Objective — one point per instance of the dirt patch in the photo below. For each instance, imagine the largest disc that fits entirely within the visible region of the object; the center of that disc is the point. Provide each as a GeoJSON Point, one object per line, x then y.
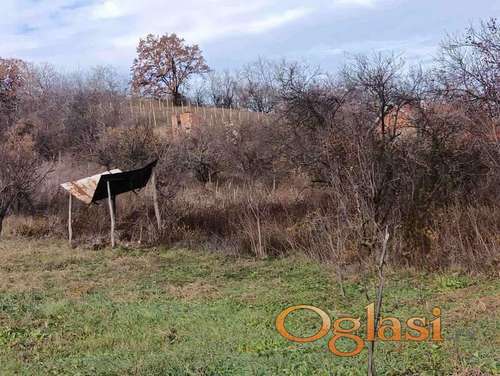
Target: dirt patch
{"type": "Point", "coordinates": [195, 290]}
{"type": "Point", "coordinates": [488, 305]}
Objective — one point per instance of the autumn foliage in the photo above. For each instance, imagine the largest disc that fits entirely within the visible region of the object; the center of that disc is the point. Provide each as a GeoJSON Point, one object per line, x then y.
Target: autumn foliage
{"type": "Point", "coordinates": [12, 79]}
{"type": "Point", "coordinates": [20, 171]}
{"type": "Point", "coordinates": [164, 64]}
{"type": "Point", "coordinates": [300, 160]}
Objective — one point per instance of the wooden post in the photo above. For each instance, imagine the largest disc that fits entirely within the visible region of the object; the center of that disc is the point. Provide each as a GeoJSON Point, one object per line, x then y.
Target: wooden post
{"type": "Point", "coordinates": [70, 226]}
{"type": "Point", "coordinates": [112, 215]}
{"type": "Point", "coordinates": [155, 200]}
{"type": "Point", "coordinates": [149, 114]}
{"type": "Point", "coordinates": [154, 118]}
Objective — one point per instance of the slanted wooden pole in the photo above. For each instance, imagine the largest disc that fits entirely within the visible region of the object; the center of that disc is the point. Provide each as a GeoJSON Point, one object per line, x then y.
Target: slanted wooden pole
{"type": "Point", "coordinates": [113, 201]}
{"type": "Point", "coordinates": [70, 227]}
{"type": "Point", "coordinates": [112, 214]}
{"type": "Point", "coordinates": [155, 200]}
{"type": "Point", "coordinates": [154, 117]}
{"type": "Point", "coordinates": [380, 294]}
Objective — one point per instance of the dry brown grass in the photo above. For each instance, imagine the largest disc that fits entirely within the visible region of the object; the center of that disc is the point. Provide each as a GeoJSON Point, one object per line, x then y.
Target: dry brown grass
{"type": "Point", "coordinates": [158, 114]}
{"type": "Point", "coordinates": [35, 265]}
{"type": "Point", "coordinates": [194, 290]}
{"type": "Point", "coordinates": [38, 265]}
{"type": "Point", "coordinates": [257, 220]}
{"type": "Point", "coordinates": [470, 304]}
{"type": "Point", "coordinates": [263, 220]}
{"type": "Point", "coordinates": [471, 372]}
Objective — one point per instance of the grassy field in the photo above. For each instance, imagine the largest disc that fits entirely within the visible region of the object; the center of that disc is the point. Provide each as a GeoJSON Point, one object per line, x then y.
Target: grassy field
{"type": "Point", "coordinates": [180, 312]}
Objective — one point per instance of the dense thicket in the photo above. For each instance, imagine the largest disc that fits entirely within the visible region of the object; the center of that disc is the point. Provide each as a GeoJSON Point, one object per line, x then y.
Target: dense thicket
{"type": "Point", "coordinates": [331, 162]}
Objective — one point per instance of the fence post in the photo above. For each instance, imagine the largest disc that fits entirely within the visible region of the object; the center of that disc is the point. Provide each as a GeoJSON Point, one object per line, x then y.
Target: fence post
{"type": "Point", "coordinates": [112, 215]}
{"type": "Point", "coordinates": [155, 200]}
{"type": "Point", "coordinates": [70, 220]}
{"type": "Point", "coordinates": [154, 117]}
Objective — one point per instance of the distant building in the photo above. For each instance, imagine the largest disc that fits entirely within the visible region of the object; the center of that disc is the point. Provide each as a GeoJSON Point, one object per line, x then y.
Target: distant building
{"type": "Point", "coordinates": [404, 122]}
{"type": "Point", "coordinates": [184, 123]}
{"type": "Point", "coordinates": [400, 122]}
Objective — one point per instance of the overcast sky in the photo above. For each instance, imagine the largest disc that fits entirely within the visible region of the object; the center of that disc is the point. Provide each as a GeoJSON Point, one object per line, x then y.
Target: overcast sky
{"type": "Point", "coordinates": [82, 33]}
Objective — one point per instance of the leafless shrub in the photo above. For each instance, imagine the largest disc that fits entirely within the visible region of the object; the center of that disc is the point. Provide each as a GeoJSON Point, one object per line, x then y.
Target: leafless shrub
{"type": "Point", "coordinates": [13, 76]}
{"type": "Point", "coordinates": [258, 87]}
{"type": "Point", "coordinates": [222, 89]}
{"type": "Point", "coordinates": [124, 148]}
{"type": "Point", "coordinates": [469, 67]}
{"type": "Point", "coordinates": [202, 153]}
{"type": "Point", "coordinates": [464, 235]}
{"type": "Point", "coordinates": [20, 171]}
{"type": "Point", "coordinates": [39, 227]}
{"type": "Point", "coordinates": [335, 160]}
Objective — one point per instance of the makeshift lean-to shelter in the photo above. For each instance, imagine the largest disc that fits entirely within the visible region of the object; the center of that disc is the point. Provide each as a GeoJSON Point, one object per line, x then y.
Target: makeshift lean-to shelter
{"type": "Point", "coordinates": [108, 185]}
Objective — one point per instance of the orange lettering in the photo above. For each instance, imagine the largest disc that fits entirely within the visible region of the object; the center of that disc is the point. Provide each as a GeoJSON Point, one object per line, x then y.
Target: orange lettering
{"type": "Point", "coordinates": [338, 333]}
{"type": "Point", "coordinates": [436, 325]}
{"type": "Point", "coordinates": [370, 325]}
{"type": "Point", "coordinates": [420, 329]}
{"type": "Point", "coordinates": [325, 326]}
{"type": "Point", "coordinates": [394, 327]}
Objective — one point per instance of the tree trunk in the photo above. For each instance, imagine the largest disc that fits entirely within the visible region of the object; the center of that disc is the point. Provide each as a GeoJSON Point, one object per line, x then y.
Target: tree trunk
{"type": "Point", "coordinates": [177, 98]}
{"type": "Point", "coordinates": [3, 212]}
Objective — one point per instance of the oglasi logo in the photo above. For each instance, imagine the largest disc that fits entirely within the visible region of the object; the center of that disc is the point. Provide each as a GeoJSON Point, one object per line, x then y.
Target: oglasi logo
{"type": "Point", "coordinates": [417, 329]}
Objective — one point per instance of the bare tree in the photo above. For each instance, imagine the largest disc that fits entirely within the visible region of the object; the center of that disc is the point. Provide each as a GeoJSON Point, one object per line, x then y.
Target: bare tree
{"type": "Point", "coordinates": [164, 65]}
{"type": "Point", "coordinates": [468, 74]}
{"type": "Point", "coordinates": [382, 88]}
{"type": "Point", "coordinates": [106, 79]}
{"type": "Point", "coordinates": [12, 80]}
{"type": "Point", "coordinates": [470, 66]}
{"type": "Point", "coordinates": [378, 305]}
{"type": "Point", "coordinates": [307, 97]}
{"type": "Point", "coordinates": [20, 171]}
{"type": "Point", "coordinates": [199, 92]}
{"type": "Point", "coordinates": [223, 89]}
{"type": "Point", "coordinates": [257, 89]}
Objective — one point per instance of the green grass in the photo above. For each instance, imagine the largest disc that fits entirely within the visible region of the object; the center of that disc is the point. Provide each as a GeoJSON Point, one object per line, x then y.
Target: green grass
{"type": "Point", "coordinates": [179, 312]}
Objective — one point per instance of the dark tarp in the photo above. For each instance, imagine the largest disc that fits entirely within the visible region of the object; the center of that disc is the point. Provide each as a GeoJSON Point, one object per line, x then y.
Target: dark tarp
{"type": "Point", "coordinates": [123, 182]}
